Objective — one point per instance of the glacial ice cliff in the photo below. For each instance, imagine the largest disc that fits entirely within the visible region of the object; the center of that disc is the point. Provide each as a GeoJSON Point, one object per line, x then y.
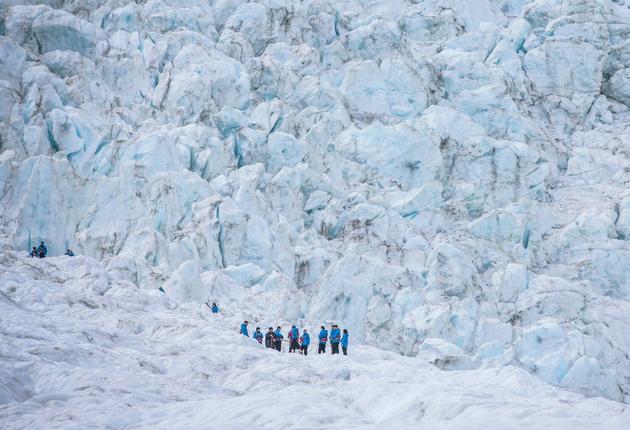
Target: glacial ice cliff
{"type": "Point", "coordinates": [447, 179]}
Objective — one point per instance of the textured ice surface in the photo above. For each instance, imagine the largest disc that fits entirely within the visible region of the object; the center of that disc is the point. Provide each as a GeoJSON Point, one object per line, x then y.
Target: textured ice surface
{"type": "Point", "coordinates": [84, 350]}
{"type": "Point", "coordinates": [446, 179]}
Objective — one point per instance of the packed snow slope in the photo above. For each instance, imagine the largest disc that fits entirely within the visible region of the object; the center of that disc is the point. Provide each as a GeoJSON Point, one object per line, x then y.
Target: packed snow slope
{"type": "Point", "coordinates": [446, 179]}
{"type": "Point", "coordinates": [82, 350]}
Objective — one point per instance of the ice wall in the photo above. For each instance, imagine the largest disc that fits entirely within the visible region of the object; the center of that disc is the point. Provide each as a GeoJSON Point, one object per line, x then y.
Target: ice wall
{"type": "Point", "coordinates": [446, 179]}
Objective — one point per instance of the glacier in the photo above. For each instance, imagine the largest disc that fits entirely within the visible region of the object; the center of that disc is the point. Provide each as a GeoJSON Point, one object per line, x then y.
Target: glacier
{"type": "Point", "coordinates": [446, 179]}
{"type": "Point", "coordinates": [82, 349]}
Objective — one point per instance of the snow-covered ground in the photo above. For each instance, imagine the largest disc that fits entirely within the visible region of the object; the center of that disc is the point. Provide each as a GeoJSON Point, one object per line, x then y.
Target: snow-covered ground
{"type": "Point", "coordinates": [447, 179]}
{"type": "Point", "coordinates": [81, 350]}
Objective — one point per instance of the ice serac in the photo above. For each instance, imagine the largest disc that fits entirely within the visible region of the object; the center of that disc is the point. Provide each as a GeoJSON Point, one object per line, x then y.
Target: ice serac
{"type": "Point", "coordinates": [565, 62]}
{"type": "Point", "coordinates": [446, 179]}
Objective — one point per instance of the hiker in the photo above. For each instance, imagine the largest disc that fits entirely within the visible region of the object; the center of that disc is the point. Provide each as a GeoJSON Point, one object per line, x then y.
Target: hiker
{"type": "Point", "coordinates": [69, 253]}
{"type": "Point", "coordinates": [244, 328]}
{"type": "Point", "coordinates": [258, 335]}
{"type": "Point", "coordinates": [34, 252]}
{"type": "Point", "coordinates": [335, 338]}
{"type": "Point", "coordinates": [305, 341]}
{"type": "Point", "coordinates": [214, 308]}
{"type": "Point", "coordinates": [323, 338]}
{"type": "Point", "coordinates": [277, 339]}
{"type": "Point", "coordinates": [42, 250]}
{"type": "Point", "coordinates": [294, 336]}
{"type": "Point", "coordinates": [269, 338]}
{"type": "Point", "coordinates": [344, 342]}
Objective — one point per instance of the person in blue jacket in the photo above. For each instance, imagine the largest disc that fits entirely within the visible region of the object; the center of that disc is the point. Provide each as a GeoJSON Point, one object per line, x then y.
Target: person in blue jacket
{"type": "Point", "coordinates": [306, 341]}
{"type": "Point", "coordinates": [323, 338]}
{"type": "Point", "coordinates": [258, 335]}
{"type": "Point", "coordinates": [69, 253]}
{"type": "Point", "coordinates": [344, 342]}
{"type": "Point", "coordinates": [42, 250]}
{"type": "Point", "coordinates": [294, 339]}
{"type": "Point", "coordinates": [244, 329]}
{"type": "Point", "coordinates": [335, 338]}
{"type": "Point", "coordinates": [215, 308]}
{"type": "Point", "coordinates": [277, 339]}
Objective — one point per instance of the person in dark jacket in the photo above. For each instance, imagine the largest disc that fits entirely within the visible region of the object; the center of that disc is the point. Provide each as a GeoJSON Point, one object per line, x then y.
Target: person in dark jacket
{"type": "Point", "coordinates": [42, 250]}
{"type": "Point", "coordinates": [344, 342]}
{"type": "Point", "coordinates": [294, 342]}
{"type": "Point", "coordinates": [34, 252]}
{"type": "Point", "coordinates": [258, 335]}
{"type": "Point", "coordinates": [305, 342]}
{"type": "Point", "coordinates": [277, 339]}
{"type": "Point", "coordinates": [323, 338]}
{"type": "Point", "coordinates": [335, 338]}
{"type": "Point", "coordinates": [215, 308]}
{"type": "Point", "coordinates": [244, 329]}
{"type": "Point", "coordinates": [269, 338]}
{"type": "Point", "coordinates": [69, 253]}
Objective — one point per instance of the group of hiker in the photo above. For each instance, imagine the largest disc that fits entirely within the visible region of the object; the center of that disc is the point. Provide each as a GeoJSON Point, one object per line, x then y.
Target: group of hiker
{"type": "Point", "coordinates": [274, 338]}
{"type": "Point", "coordinates": [41, 251]}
